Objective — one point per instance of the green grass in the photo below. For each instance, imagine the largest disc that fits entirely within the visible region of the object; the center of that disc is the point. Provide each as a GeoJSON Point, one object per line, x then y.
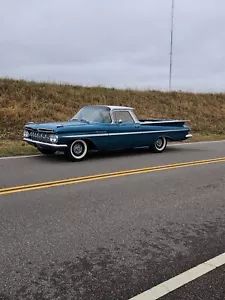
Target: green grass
{"type": "Point", "coordinates": [10, 148]}
{"type": "Point", "coordinates": [22, 101]}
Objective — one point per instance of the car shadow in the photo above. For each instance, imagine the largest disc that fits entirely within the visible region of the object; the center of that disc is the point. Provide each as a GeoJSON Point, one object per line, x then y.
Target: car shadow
{"type": "Point", "coordinates": [95, 155]}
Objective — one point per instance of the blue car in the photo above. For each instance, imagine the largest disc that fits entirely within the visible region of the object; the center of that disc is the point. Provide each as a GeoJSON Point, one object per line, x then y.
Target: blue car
{"type": "Point", "coordinates": [103, 128]}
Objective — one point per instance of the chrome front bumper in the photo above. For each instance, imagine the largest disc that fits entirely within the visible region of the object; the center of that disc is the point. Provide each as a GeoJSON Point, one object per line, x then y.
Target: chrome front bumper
{"type": "Point", "coordinates": [188, 136]}
{"type": "Point", "coordinates": [45, 144]}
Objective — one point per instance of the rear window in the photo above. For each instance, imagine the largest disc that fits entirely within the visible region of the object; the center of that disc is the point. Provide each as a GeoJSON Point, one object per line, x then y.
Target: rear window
{"type": "Point", "coordinates": [122, 117]}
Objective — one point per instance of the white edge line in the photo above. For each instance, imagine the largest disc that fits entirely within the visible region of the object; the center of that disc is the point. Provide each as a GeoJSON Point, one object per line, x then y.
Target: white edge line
{"type": "Point", "coordinates": [193, 143]}
{"type": "Point", "coordinates": [20, 156]}
{"type": "Point", "coordinates": [180, 280]}
{"type": "Point", "coordinates": [170, 144]}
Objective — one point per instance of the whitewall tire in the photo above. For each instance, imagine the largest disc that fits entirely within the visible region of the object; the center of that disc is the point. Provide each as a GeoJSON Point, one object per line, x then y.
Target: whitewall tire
{"type": "Point", "coordinates": [77, 150]}
{"type": "Point", "coordinates": [159, 145]}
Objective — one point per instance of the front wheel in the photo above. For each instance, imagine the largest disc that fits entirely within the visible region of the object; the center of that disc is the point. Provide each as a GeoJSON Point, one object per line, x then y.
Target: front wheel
{"type": "Point", "coordinates": [159, 145]}
{"type": "Point", "coordinates": [77, 150]}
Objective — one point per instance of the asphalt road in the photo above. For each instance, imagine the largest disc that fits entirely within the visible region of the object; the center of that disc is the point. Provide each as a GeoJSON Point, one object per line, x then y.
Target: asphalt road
{"type": "Point", "coordinates": [210, 286]}
{"type": "Point", "coordinates": [113, 238]}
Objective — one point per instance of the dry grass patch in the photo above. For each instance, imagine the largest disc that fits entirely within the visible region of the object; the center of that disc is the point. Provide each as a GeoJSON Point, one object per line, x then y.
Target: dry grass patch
{"type": "Point", "coordinates": [22, 101]}
{"type": "Point", "coordinates": [10, 148]}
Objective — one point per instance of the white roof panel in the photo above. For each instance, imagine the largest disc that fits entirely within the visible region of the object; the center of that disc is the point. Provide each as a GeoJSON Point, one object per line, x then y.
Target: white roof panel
{"type": "Point", "coordinates": [112, 107]}
{"type": "Point", "coordinates": [118, 107]}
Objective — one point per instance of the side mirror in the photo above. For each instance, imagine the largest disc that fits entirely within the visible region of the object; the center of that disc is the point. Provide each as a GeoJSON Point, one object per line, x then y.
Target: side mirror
{"type": "Point", "coordinates": [120, 121]}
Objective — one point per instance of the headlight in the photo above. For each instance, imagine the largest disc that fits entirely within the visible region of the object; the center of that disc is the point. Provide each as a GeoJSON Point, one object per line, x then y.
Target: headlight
{"type": "Point", "coordinates": [26, 133]}
{"type": "Point", "coordinates": [53, 138]}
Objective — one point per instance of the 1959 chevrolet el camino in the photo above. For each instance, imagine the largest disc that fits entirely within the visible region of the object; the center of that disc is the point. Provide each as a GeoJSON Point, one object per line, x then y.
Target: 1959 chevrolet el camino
{"type": "Point", "coordinates": [101, 127]}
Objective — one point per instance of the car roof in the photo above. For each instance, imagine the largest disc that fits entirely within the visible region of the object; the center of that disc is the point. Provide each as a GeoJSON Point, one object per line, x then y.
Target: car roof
{"type": "Point", "coordinates": [115, 107]}
{"type": "Point", "coordinates": [112, 107]}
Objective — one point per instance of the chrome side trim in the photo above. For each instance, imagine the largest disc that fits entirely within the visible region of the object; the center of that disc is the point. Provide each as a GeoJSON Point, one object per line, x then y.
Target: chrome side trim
{"type": "Point", "coordinates": [121, 133]}
{"type": "Point", "coordinates": [163, 122]}
{"type": "Point", "coordinates": [85, 135]}
{"type": "Point", "coordinates": [45, 144]}
{"type": "Point", "coordinates": [188, 136]}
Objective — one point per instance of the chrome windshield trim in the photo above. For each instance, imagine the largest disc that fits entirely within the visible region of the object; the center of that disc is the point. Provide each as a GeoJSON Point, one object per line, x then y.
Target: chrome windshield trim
{"type": "Point", "coordinates": [45, 144]}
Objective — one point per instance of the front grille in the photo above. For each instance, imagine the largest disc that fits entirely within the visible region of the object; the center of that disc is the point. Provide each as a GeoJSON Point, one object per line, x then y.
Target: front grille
{"type": "Point", "coordinates": [39, 136]}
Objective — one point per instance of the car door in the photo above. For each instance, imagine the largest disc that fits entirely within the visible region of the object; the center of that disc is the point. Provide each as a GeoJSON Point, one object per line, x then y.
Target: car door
{"type": "Point", "coordinates": [121, 130]}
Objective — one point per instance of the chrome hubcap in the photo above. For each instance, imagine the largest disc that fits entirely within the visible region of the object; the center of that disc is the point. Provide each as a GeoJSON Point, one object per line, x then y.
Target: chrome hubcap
{"type": "Point", "coordinates": [159, 143]}
{"type": "Point", "coordinates": [78, 149]}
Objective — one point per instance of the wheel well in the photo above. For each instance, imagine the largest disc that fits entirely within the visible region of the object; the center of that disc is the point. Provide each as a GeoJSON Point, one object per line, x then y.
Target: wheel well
{"type": "Point", "coordinates": [90, 144]}
{"type": "Point", "coordinates": [163, 136]}
{"type": "Point", "coordinates": [169, 139]}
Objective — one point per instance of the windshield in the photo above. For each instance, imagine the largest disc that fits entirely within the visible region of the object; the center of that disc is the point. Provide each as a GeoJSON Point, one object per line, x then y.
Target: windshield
{"type": "Point", "coordinates": [93, 114]}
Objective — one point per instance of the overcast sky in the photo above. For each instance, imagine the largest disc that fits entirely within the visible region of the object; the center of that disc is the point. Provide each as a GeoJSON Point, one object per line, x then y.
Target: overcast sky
{"type": "Point", "coordinates": [120, 43]}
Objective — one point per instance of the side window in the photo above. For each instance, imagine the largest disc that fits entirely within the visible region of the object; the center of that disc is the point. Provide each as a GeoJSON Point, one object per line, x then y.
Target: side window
{"type": "Point", "coordinates": [103, 116]}
{"type": "Point", "coordinates": [122, 117]}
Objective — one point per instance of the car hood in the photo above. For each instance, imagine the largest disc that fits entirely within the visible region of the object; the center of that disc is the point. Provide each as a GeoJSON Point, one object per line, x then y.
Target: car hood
{"type": "Point", "coordinates": [55, 126]}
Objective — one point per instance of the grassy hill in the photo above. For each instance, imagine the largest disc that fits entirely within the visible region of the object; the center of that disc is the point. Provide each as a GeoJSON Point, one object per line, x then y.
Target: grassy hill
{"type": "Point", "coordinates": [22, 101]}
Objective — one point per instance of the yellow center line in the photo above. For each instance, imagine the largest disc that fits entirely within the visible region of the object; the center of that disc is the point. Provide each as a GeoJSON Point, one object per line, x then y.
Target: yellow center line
{"type": "Point", "coordinates": [76, 180]}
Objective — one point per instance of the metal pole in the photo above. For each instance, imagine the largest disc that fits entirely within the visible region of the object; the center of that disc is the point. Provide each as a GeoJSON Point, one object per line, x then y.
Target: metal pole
{"type": "Point", "coordinates": [171, 45]}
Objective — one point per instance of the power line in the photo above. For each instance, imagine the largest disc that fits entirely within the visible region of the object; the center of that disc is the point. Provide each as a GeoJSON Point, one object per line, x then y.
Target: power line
{"type": "Point", "coordinates": [171, 45]}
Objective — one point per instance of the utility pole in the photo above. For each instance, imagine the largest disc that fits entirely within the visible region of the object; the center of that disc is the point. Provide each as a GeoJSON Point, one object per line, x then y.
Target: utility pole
{"type": "Point", "coordinates": [171, 45]}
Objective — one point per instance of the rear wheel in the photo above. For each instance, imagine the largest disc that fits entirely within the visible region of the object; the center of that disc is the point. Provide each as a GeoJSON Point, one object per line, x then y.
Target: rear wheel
{"type": "Point", "coordinates": [159, 145]}
{"type": "Point", "coordinates": [77, 150]}
{"type": "Point", "coordinates": [46, 151]}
